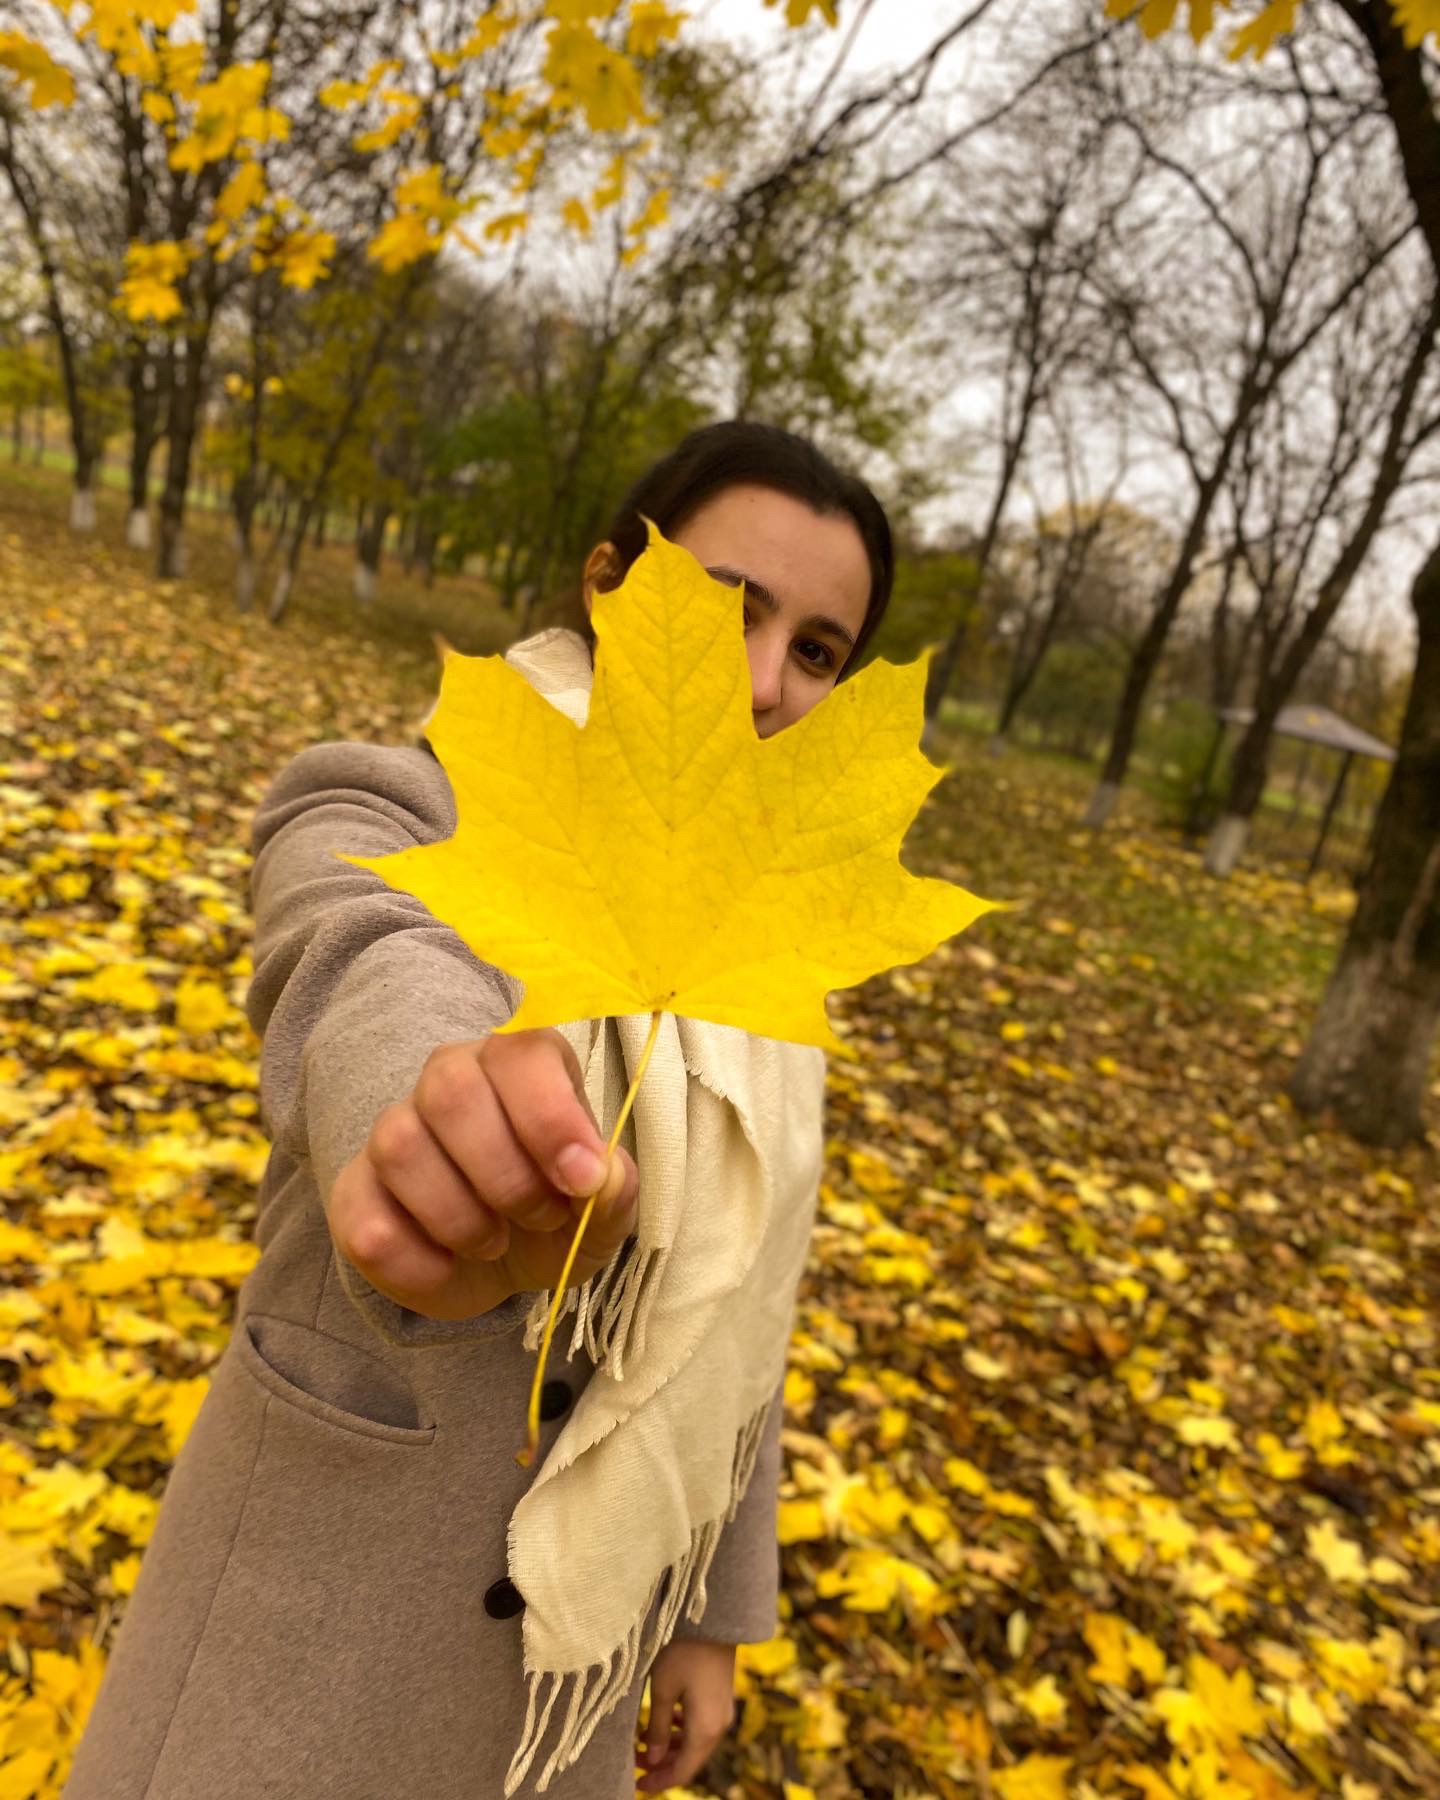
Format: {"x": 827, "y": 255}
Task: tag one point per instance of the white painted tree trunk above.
{"x": 1102, "y": 804}
{"x": 1226, "y": 845}
{"x": 362, "y": 582}
{"x": 137, "y": 528}
{"x": 280, "y": 597}
{"x": 82, "y": 509}
{"x": 244, "y": 580}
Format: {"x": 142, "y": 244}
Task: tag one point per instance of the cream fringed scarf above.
{"x": 687, "y": 1325}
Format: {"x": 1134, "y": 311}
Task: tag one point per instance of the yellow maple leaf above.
{"x": 1280, "y": 1463}
{"x": 1105, "y": 1634}
{"x": 27, "y": 1569}
{"x": 1340, "y": 1557}
{"x": 1271, "y": 23}
{"x": 244, "y": 189}
{"x": 1157, "y": 16}
{"x": 1213, "y": 1707}
{"x": 771, "y": 1658}
{"x": 124, "y": 1572}
{"x": 798, "y": 11}
{"x": 401, "y": 241}
{"x": 228, "y": 109}
{"x": 664, "y": 857}
{"x": 652, "y": 23}
{"x": 874, "y": 1581}
{"x": 148, "y": 290}
{"x": 201, "y": 1006}
{"x": 1044, "y": 1702}
{"x": 1416, "y": 19}
{"x": 1151, "y": 1785}
{"x": 339, "y": 95}
{"x": 585, "y": 72}
{"x": 1202, "y": 1429}
{"x": 29, "y": 62}
{"x": 799, "y": 1521}
{"x": 1036, "y": 1778}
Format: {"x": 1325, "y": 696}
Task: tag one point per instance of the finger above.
{"x": 457, "y": 1100}
{"x": 701, "y": 1730}
{"x": 413, "y": 1165}
{"x": 537, "y": 1078}
{"x": 375, "y": 1232}
{"x": 664, "y": 1698}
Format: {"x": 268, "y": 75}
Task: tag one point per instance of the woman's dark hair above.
{"x": 737, "y": 452}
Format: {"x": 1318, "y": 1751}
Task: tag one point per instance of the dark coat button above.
{"x": 503, "y": 1599}
{"x": 555, "y": 1399}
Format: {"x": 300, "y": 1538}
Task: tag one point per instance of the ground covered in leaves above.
{"x": 1113, "y": 1450}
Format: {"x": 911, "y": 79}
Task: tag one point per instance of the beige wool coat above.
{"x": 323, "y": 1611}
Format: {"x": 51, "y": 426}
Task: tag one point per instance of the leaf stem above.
{"x": 526, "y": 1456}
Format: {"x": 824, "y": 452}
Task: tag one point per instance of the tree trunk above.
{"x": 284, "y": 581}
{"x": 244, "y": 578}
{"x": 17, "y": 432}
{"x": 426, "y": 543}
{"x": 1146, "y": 656}
{"x": 244, "y": 500}
{"x": 1368, "y": 1056}
{"x": 1249, "y": 769}
{"x": 1200, "y": 795}
{"x": 369, "y": 546}
{"x": 27, "y": 198}
{"x": 144, "y": 414}
{"x": 185, "y": 396}
{"x": 82, "y": 502}
{"x": 942, "y": 667}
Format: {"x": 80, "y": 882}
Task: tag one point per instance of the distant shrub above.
{"x": 1072, "y": 702}
{"x": 931, "y": 593}
{"x": 1175, "y": 745}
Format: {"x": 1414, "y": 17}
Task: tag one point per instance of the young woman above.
{"x": 329, "y": 1605}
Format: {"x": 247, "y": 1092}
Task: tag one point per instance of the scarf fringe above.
{"x": 594, "y": 1691}
{"x": 611, "y": 1310}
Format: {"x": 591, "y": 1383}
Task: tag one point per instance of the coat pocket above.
{"x": 334, "y": 1382}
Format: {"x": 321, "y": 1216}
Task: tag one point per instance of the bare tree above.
{"x": 1017, "y": 236}
{"x": 1235, "y": 278}
{"x": 1062, "y": 542}
{"x": 1294, "y": 611}
{"x": 49, "y": 206}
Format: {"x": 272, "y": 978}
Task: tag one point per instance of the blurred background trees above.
{"x": 1133, "y": 326}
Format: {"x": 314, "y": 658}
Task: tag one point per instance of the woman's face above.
{"x": 807, "y": 587}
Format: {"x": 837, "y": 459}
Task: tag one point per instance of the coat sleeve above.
{"x": 742, "y": 1586}
{"x": 355, "y": 984}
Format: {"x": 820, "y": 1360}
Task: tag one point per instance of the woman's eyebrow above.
{"x": 815, "y": 622}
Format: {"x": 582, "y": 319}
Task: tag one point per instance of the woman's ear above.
{"x": 602, "y": 571}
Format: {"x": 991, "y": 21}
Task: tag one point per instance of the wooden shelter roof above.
{"x": 1317, "y": 725}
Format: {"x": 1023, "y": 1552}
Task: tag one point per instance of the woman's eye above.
{"x": 824, "y": 662}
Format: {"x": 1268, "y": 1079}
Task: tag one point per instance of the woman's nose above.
{"x": 767, "y": 671}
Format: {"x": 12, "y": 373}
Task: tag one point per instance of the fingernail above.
{"x": 581, "y": 1170}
